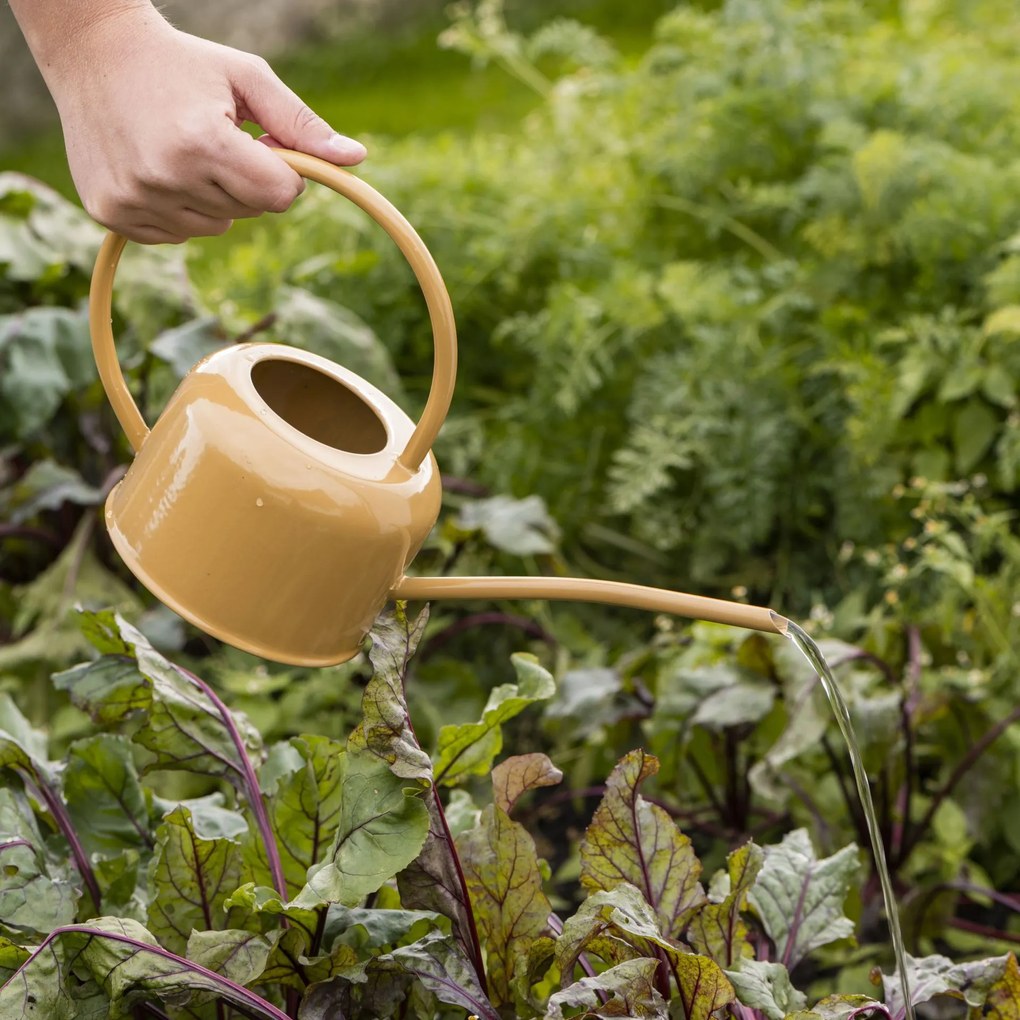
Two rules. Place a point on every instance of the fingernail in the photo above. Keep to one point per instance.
(346, 149)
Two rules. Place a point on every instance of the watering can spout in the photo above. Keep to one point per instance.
(582, 589)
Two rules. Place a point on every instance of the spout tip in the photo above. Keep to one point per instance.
(780, 623)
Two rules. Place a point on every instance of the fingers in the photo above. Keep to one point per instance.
(155, 226)
(255, 178)
(281, 113)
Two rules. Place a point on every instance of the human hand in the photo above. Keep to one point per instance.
(151, 121)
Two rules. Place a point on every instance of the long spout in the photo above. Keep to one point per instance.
(584, 589)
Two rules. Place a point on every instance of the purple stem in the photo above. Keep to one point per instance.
(231, 989)
(11, 843)
(56, 807)
(977, 749)
(251, 783)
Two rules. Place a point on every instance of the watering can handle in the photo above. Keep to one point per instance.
(444, 371)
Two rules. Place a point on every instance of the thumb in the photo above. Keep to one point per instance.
(289, 121)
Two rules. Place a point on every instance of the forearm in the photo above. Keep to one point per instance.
(58, 31)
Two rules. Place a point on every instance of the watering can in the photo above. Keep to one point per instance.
(279, 500)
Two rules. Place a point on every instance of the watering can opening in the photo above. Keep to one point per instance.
(319, 406)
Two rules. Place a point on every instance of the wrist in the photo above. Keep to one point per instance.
(67, 36)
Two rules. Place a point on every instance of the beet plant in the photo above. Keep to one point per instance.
(316, 878)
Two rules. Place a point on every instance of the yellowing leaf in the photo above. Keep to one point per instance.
(1003, 1001)
(718, 930)
(632, 840)
(519, 774)
(504, 882)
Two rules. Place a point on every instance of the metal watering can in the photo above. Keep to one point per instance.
(279, 499)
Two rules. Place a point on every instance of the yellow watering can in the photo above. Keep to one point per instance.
(279, 499)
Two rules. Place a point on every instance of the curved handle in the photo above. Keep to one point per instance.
(444, 369)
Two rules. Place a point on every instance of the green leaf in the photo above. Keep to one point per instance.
(47, 485)
(615, 925)
(20, 743)
(469, 748)
(185, 346)
(104, 797)
(238, 955)
(704, 987)
(935, 975)
(304, 810)
(11, 958)
(336, 333)
(191, 880)
(181, 725)
(386, 728)
(799, 898)
(438, 963)
(766, 987)
(519, 526)
(382, 827)
(522, 772)
(505, 885)
(717, 930)
(632, 840)
(43, 357)
(975, 427)
(630, 987)
(841, 1007)
(370, 929)
(31, 900)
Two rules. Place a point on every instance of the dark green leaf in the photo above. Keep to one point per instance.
(632, 840)
(304, 810)
(437, 962)
(238, 955)
(191, 880)
(47, 485)
(104, 798)
(184, 346)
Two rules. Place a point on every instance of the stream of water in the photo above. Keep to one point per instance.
(813, 654)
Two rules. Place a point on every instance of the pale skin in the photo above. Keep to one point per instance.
(151, 119)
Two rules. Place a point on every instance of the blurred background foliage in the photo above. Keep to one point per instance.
(738, 291)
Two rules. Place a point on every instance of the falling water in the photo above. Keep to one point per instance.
(813, 654)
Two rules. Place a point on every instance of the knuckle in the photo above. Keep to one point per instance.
(280, 198)
(304, 118)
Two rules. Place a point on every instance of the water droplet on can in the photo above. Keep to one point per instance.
(258, 502)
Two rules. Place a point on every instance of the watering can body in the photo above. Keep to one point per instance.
(268, 504)
(279, 498)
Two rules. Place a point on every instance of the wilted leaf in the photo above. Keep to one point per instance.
(932, 976)
(104, 797)
(629, 987)
(469, 748)
(632, 840)
(519, 526)
(717, 930)
(304, 810)
(386, 728)
(799, 898)
(382, 827)
(511, 910)
(438, 963)
(191, 880)
(522, 772)
(766, 987)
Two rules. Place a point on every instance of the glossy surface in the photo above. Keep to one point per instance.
(279, 497)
